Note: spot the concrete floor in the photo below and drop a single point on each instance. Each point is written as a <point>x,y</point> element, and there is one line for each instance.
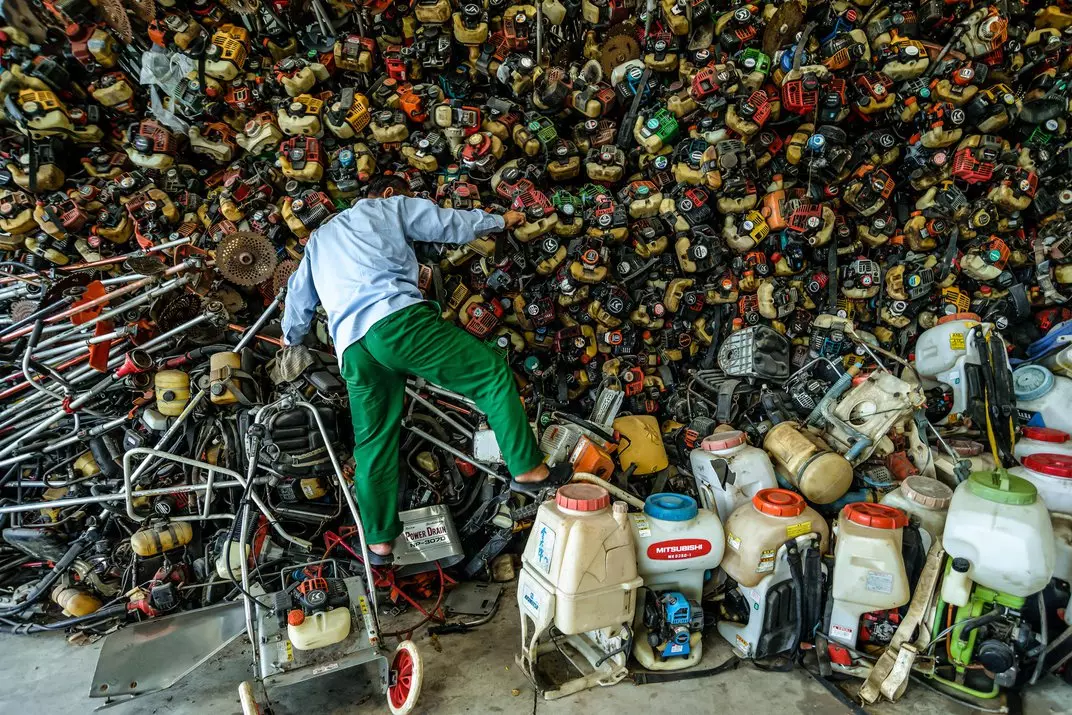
<point>464,673</point>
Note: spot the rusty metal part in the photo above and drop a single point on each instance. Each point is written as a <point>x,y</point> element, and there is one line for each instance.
<point>620,46</point>
<point>245,258</point>
<point>282,274</point>
<point>116,16</point>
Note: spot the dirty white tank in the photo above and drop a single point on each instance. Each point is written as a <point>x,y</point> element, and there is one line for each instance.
<point>999,525</point>
<point>729,472</point>
<point>1034,440</point>
<point>318,630</point>
<point>1052,476</point>
<point>676,543</point>
<point>869,570</point>
<point>926,499</point>
<point>1043,395</point>
<point>942,352</point>
<point>579,563</point>
<point>755,531</point>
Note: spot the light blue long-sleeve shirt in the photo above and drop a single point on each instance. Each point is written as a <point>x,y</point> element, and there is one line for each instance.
<point>361,266</point>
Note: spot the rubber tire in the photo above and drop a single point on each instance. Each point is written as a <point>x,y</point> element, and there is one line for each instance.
<point>407,650</point>
<point>248,699</point>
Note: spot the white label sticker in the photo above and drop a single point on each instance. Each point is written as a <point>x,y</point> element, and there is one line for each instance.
<point>676,648</point>
<point>427,533</point>
<point>879,582</point>
<point>733,540</point>
<point>643,528</point>
<point>325,668</point>
<point>545,547</point>
<point>531,601</point>
<point>840,632</point>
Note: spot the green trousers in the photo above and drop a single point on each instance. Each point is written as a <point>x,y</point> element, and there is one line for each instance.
<point>417,341</point>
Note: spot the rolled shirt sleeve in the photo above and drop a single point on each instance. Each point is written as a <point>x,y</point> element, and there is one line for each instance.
<point>427,222</point>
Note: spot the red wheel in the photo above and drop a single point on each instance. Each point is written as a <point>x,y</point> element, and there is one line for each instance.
<point>407,676</point>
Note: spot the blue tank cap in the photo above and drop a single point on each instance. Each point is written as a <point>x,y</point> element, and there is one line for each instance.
<point>1030,382</point>
<point>671,507</point>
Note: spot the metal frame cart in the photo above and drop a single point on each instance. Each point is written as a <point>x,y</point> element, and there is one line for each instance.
<point>276,662</point>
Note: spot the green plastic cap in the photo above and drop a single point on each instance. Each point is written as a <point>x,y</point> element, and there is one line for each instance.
<point>1001,487</point>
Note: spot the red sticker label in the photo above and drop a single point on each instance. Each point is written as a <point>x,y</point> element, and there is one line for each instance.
<point>679,549</point>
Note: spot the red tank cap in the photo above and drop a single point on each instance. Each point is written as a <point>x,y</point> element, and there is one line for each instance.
<point>778,502</point>
<point>582,497</point>
<point>877,516</point>
<point>722,440</point>
<point>1046,434</point>
<point>1053,465</point>
<point>957,316</point>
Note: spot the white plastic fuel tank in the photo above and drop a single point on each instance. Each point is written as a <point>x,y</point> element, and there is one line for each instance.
<point>579,568</point>
<point>755,531</point>
<point>869,570</point>
<point>318,630</point>
<point>1034,440</point>
<point>926,499</point>
<point>1052,476</point>
<point>999,525</point>
<point>676,543</point>
<point>729,472</point>
<point>942,352</point>
<point>1046,397</point>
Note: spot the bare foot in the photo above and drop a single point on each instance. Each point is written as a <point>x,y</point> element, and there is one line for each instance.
<point>380,549</point>
<point>533,475</point>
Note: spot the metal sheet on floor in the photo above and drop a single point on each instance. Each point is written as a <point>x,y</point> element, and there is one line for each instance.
<point>154,655</point>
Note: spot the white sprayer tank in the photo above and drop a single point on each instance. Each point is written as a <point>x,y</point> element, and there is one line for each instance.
<point>579,568</point>
<point>1052,476</point>
<point>999,525</point>
<point>1035,440</point>
<point>869,571</point>
<point>755,531</point>
<point>756,534</point>
<point>942,352</point>
<point>676,543</point>
<point>729,472</point>
<point>925,498</point>
<point>1046,397</point>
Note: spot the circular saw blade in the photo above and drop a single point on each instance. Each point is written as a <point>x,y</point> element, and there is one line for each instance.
<point>144,9</point>
<point>282,274</point>
<point>245,258</point>
<point>616,49</point>
<point>145,265</point>
<point>22,309</point>
<point>241,7</point>
<point>115,15</point>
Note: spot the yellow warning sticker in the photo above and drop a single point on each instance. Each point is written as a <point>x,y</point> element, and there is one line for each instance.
<point>363,605</point>
<point>957,341</point>
<point>796,530</point>
<point>733,541</point>
<point>766,561</point>
<point>290,652</point>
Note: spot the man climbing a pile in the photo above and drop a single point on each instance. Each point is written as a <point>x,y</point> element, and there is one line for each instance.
<point>361,267</point>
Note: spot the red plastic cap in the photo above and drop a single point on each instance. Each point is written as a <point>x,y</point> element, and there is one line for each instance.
<point>1046,434</point>
<point>779,502</point>
<point>1053,465</point>
<point>582,497</point>
<point>723,440</point>
<point>877,516</point>
<point>295,617</point>
<point>958,316</point>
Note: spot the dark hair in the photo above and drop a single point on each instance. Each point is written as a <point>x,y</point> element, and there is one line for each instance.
<point>378,185</point>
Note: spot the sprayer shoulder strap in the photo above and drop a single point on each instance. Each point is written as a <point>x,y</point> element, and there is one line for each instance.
<point>889,677</point>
